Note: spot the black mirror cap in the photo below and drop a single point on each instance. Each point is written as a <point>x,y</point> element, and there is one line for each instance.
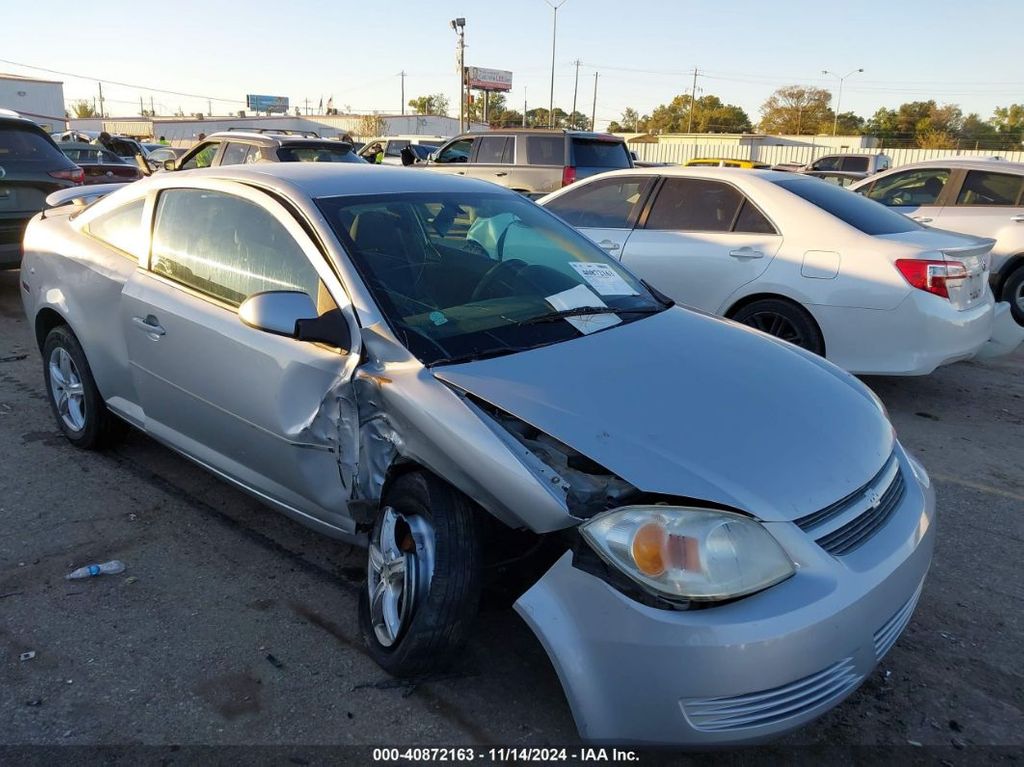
<point>329,328</point>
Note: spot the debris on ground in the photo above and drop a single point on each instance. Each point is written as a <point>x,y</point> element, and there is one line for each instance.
<point>27,655</point>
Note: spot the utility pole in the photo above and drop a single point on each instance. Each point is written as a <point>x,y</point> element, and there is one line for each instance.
<point>101,98</point>
<point>459,25</point>
<point>693,102</point>
<point>593,115</point>
<point>575,87</point>
<point>402,75</point>
<point>554,33</point>
<point>141,109</point>
<point>839,97</point>
<point>209,108</point>
<point>524,106</point>
<point>152,109</point>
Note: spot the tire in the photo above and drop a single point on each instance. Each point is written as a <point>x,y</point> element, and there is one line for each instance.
<point>435,534</point>
<point>77,405</point>
<point>783,319</point>
<point>1013,291</point>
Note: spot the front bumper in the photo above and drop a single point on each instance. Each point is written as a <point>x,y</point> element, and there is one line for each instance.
<point>742,672</point>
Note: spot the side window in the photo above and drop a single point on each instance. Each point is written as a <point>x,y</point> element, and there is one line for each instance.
<point>457,151</point>
<point>226,247</point>
<point>202,158</point>
<point>492,150</point>
<point>855,164</point>
<point>395,147</point>
<point>608,204</point>
<point>234,154</point>
<point>827,163</point>
<point>752,221</point>
<point>122,227</point>
<point>910,187</point>
<point>694,205</point>
<point>986,188</point>
<point>545,150</point>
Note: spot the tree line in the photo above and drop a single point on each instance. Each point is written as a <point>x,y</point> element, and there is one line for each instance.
<point>800,110</point>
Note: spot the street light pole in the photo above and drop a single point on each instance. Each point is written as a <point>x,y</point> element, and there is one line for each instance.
<point>459,26</point>
<point>554,32</point>
<point>839,96</point>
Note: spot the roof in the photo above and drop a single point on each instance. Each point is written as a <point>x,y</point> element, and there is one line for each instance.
<point>336,179</point>
<point>272,139</point>
<point>970,163</point>
<point>6,76</point>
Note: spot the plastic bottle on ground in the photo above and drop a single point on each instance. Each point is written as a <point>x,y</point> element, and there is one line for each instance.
<point>107,568</point>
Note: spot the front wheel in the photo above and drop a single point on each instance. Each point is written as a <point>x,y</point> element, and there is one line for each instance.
<point>783,319</point>
<point>423,576</point>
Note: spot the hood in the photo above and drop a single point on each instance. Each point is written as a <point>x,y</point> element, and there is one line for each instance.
<point>686,404</point>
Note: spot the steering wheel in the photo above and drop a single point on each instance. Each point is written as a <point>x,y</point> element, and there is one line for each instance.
<point>501,270</point>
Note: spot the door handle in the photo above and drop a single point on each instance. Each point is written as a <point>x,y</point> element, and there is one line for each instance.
<point>608,245</point>
<point>1019,219</point>
<point>746,253</point>
<point>501,173</point>
<point>922,219</point>
<point>150,324</point>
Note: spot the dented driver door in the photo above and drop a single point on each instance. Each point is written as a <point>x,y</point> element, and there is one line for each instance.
<point>271,413</point>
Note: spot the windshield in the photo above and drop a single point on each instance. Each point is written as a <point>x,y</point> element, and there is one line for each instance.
<point>466,275</point>
<point>318,153</point>
<point>859,212</point>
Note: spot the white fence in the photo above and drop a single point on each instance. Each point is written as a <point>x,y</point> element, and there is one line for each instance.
<point>680,153</point>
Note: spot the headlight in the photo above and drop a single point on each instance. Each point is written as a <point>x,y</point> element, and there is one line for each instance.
<point>687,553</point>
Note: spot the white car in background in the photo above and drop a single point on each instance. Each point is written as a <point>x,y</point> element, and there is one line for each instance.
<point>800,259</point>
<point>984,197</point>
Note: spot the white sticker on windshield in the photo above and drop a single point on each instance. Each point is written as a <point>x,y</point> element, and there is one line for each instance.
<point>603,278</point>
<point>582,296</point>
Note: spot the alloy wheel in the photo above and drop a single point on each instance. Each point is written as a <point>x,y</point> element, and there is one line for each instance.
<point>776,325</point>
<point>400,566</point>
<point>66,389</point>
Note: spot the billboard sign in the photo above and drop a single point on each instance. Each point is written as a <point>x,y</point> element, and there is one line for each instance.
<point>488,79</point>
<point>267,104</point>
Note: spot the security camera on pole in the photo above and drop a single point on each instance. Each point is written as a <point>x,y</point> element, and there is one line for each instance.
<point>459,27</point>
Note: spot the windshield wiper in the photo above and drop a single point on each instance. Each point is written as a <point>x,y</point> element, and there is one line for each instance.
<point>480,355</point>
<point>583,311</point>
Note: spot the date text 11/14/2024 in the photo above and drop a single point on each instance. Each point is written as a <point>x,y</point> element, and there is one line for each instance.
<point>502,754</point>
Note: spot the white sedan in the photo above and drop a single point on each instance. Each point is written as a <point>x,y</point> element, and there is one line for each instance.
<point>803,260</point>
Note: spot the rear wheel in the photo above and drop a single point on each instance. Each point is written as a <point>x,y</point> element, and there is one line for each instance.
<point>423,576</point>
<point>783,319</point>
<point>75,400</point>
<point>1013,291</point>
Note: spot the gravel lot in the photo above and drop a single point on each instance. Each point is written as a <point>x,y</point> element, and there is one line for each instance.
<point>176,649</point>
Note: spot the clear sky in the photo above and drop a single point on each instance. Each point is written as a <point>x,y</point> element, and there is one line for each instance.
<point>965,53</point>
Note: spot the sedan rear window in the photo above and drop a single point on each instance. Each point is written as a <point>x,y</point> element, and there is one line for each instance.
<point>859,212</point>
<point>596,153</point>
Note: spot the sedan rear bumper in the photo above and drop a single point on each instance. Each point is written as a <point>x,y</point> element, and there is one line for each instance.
<point>737,673</point>
<point>920,334</point>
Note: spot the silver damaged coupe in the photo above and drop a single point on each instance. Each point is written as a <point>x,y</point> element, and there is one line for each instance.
<point>714,534</point>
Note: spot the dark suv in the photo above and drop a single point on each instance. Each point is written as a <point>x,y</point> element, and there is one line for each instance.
<point>244,147</point>
<point>31,166</point>
<point>533,162</point>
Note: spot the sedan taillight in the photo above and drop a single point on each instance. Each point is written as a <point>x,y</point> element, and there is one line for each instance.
<point>932,276</point>
<point>568,175</point>
<point>76,176</point>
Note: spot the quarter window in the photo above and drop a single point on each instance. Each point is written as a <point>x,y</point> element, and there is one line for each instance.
<point>695,205</point>
<point>910,188</point>
<point>545,150</point>
<point>608,204</point>
<point>985,188</point>
<point>226,247</point>
<point>752,221</point>
<point>122,228</point>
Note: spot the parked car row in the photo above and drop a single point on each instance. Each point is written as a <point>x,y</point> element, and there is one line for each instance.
<point>716,534</point>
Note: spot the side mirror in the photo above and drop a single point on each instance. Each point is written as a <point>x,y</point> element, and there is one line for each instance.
<point>432,157</point>
<point>292,314</point>
<point>169,164</point>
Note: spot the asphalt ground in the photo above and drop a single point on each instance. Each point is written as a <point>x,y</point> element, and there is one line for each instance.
<point>234,625</point>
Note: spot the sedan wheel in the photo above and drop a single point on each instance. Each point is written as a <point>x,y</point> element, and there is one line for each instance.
<point>400,567</point>
<point>785,320</point>
<point>66,389</point>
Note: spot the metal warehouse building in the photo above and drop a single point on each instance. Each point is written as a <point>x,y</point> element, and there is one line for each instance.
<point>39,100</point>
